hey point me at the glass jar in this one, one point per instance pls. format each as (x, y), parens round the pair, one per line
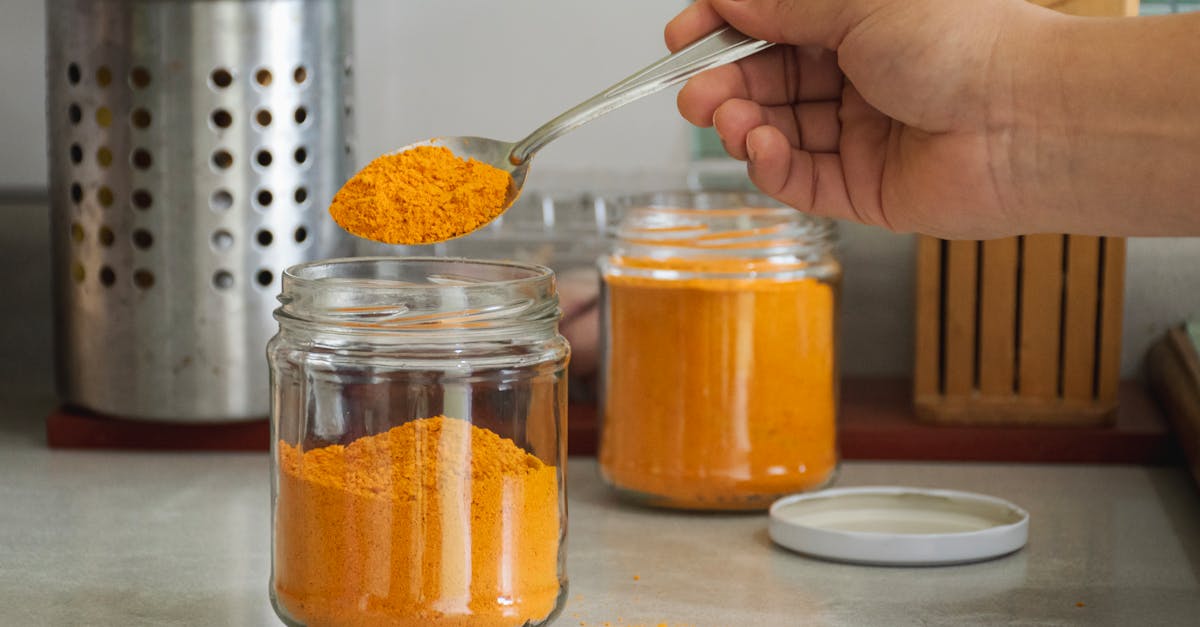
(719, 371)
(418, 437)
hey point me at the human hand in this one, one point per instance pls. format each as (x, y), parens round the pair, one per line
(896, 113)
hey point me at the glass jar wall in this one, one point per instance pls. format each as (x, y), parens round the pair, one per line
(418, 422)
(719, 370)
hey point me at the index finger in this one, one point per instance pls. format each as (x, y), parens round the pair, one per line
(692, 23)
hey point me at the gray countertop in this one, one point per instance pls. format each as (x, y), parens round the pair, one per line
(117, 538)
(112, 538)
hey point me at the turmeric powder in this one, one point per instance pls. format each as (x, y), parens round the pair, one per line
(720, 381)
(434, 523)
(422, 195)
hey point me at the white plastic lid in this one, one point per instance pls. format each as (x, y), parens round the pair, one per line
(899, 526)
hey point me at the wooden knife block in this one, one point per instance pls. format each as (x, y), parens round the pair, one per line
(1023, 330)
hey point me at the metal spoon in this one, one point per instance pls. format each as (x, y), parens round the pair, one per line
(723, 46)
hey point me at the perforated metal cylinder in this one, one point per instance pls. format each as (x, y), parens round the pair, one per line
(194, 147)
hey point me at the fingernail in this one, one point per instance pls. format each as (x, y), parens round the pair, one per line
(751, 153)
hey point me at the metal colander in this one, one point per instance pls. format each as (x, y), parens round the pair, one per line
(194, 147)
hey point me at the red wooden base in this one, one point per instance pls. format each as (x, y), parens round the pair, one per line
(877, 423)
(73, 428)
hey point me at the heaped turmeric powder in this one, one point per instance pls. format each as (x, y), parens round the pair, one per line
(435, 523)
(720, 385)
(422, 195)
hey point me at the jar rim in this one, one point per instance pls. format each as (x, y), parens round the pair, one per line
(723, 224)
(426, 295)
(303, 275)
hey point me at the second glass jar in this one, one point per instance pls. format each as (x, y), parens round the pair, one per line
(719, 373)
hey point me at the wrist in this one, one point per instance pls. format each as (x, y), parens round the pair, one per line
(1028, 118)
(1100, 120)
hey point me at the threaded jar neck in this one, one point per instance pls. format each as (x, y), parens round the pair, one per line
(416, 299)
(720, 233)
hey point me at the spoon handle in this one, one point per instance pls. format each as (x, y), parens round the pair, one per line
(723, 46)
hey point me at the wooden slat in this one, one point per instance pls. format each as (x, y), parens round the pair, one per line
(1041, 302)
(1079, 317)
(928, 317)
(998, 317)
(1112, 299)
(961, 278)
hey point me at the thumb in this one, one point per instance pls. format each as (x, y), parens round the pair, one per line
(798, 22)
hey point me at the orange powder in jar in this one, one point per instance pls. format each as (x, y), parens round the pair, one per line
(435, 523)
(720, 392)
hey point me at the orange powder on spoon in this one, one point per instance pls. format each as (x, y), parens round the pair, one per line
(422, 195)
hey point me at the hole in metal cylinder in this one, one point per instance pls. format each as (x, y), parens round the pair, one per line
(142, 159)
(222, 118)
(139, 77)
(142, 239)
(223, 280)
(221, 200)
(221, 78)
(140, 118)
(222, 159)
(143, 279)
(142, 199)
(222, 239)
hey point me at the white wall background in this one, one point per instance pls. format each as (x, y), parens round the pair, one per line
(22, 94)
(500, 69)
